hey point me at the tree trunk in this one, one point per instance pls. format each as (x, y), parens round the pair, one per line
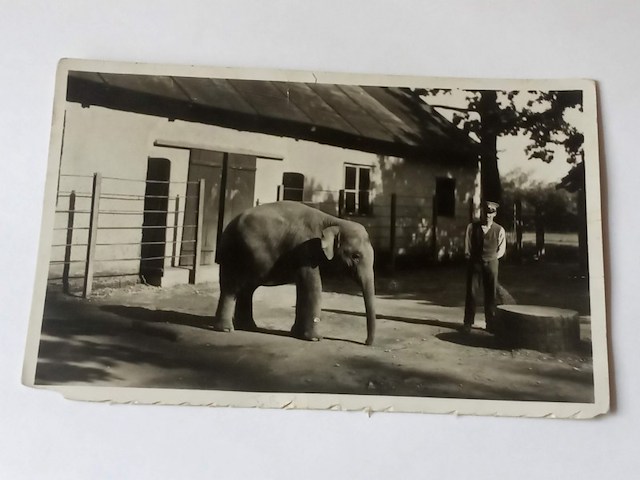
(489, 128)
(546, 329)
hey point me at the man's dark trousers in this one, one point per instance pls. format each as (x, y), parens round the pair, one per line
(488, 272)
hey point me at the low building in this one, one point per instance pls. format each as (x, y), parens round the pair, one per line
(378, 155)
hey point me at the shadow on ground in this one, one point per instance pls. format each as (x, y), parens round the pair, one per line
(479, 339)
(161, 338)
(395, 318)
(535, 283)
(95, 355)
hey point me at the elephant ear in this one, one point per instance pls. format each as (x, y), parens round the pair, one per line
(330, 241)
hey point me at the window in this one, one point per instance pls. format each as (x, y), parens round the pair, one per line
(292, 186)
(446, 196)
(357, 189)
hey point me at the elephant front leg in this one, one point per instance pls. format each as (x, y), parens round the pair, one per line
(243, 317)
(224, 314)
(308, 294)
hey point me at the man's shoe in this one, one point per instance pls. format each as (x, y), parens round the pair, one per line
(466, 328)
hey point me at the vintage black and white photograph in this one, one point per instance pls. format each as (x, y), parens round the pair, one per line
(314, 240)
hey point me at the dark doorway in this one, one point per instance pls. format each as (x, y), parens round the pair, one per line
(154, 231)
(446, 196)
(233, 174)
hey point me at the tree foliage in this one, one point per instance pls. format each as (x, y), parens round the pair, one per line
(557, 206)
(539, 115)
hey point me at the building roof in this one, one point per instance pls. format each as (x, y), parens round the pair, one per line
(381, 120)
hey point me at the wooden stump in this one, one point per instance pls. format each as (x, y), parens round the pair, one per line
(546, 329)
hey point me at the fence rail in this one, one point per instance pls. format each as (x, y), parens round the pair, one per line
(96, 223)
(394, 220)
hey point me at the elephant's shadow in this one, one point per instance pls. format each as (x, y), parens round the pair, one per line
(157, 323)
(150, 321)
(153, 316)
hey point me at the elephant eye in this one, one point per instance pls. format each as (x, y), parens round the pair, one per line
(355, 256)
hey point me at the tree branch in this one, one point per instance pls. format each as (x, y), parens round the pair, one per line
(457, 109)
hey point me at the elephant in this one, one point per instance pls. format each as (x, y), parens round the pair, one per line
(286, 242)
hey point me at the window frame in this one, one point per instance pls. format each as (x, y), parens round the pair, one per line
(288, 189)
(356, 190)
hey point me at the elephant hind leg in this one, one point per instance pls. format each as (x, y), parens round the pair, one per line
(223, 321)
(243, 317)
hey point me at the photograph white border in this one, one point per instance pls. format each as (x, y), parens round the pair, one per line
(323, 401)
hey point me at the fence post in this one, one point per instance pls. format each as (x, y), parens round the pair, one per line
(197, 247)
(514, 229)
(93, 230)
(434, 227)
(539, 225)
(517, 221)
(67, 249)
(583, 251)
(174, 251)
(340, 203)
(392, 234)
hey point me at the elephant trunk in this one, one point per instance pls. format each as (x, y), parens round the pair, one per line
(369, 292)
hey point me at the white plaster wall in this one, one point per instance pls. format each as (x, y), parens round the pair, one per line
(322, 165)
(268, 176)
(118, 144)
(414, 183)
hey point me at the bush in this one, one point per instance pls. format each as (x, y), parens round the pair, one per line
(558, 207)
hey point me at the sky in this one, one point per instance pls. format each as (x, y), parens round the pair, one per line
(512, 158)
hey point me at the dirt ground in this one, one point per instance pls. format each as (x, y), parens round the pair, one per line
(143, 336)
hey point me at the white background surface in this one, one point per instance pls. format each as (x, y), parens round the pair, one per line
(44, 436)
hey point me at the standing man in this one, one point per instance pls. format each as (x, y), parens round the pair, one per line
(485, 244)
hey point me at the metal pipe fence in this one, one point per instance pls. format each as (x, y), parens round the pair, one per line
(124, 220)
(397, 222)
(102, 215)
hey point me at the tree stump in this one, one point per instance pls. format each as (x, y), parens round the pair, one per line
(546, 329)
